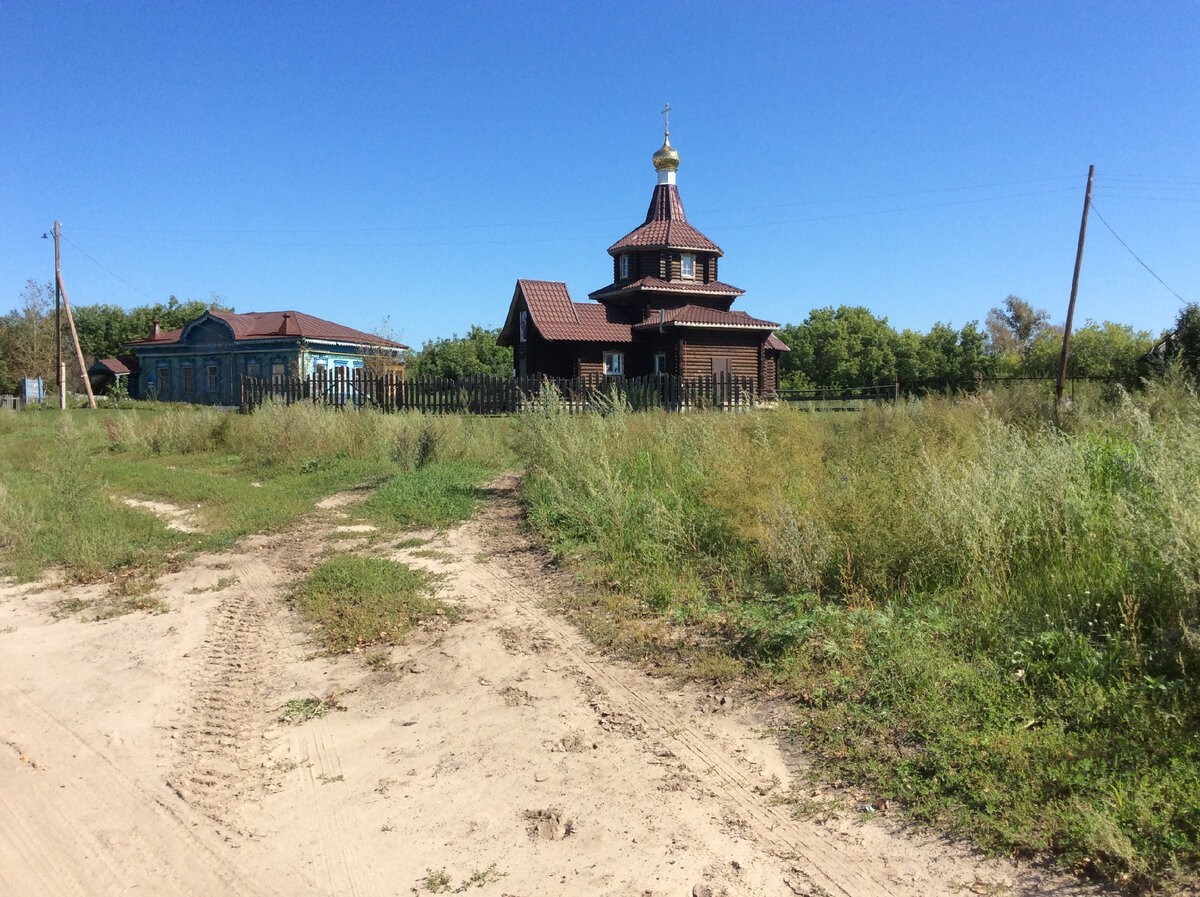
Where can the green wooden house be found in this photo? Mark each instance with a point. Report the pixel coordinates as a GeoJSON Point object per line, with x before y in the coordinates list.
{"type": "Point", "coordinates": [203, 361]}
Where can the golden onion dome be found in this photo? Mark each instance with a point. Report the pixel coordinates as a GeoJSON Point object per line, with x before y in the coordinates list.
{"type": "Point", "coordinates": [667, 157]}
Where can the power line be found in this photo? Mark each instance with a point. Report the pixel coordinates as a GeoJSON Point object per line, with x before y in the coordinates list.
{"type": "Point", "coordinates": [466, 225]}
{"type": "Point", "coordinates": [109, 270]}
{"type": "Point", "coordinates": [1135, 255]}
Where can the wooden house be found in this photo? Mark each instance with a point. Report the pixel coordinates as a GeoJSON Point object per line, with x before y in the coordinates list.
{"type": "Point", "coordinates": [665, 312]}
{"type": "Point", "coordinates": [203, 361]}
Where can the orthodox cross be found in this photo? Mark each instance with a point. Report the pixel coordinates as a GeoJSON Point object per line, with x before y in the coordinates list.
{"type": "Point", "coordinates": [666, 118]}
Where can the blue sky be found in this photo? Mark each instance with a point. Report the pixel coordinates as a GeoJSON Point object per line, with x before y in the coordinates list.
{"type": "Point", "coordinates": [363, 161]}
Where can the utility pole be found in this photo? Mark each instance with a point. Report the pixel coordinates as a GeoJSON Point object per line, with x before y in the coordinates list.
{"type": "Point", "coordinates": [60, 290]}
{"type": "Point", "coordinates": [58, 367]}
{"type": "Point", "coordinates": [1066, 348]}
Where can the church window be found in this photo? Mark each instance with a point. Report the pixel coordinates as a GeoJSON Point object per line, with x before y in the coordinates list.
{"type": "Point", "coordinates": [524, 318]}
{"type": "Point", "coordinates": [687, 267]}
{"type": "Point", "coordinates": [624, 266]}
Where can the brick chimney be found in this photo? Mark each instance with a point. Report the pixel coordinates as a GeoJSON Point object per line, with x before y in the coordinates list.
{"type": "Point", "coordinates": [156, 331]}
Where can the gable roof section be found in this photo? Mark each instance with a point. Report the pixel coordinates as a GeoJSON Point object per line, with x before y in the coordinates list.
{"type": "Point", "coordinates": [255, 325]}
{"type": "Point", "coordinates": [125, 364]}
{"type": "Point", "coordinates": [556, 317]}
{"type": "Point", "coordinates": [666, 227]}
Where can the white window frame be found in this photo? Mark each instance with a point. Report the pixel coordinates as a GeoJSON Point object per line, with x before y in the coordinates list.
{"type": "Point", "coordinates": [660, 362]}
{"type": "Point", "coordinates": [614, 364]}
{"type": "Point", "coordinates": [687, 266]}
{"type": "Point", "coordinates": [623, 266]}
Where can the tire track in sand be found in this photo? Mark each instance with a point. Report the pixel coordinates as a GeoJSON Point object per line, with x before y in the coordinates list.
{"type": "Point", "coordinates": [813, 859]}
{"type": "Point", "coordinates": [224, 721]}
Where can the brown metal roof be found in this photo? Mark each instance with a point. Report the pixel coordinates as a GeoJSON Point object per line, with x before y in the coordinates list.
{"type": "Point", "coordinates": [654, 284]}
{"type": "Point", "coordinates": [666, 227]}
{"type": "Point", "coordinates": [256, 325]}
{"type": "Point", "coordinates": [702, 316]}
{"type": "Point", "coordinates": [774, 342]}
{"type": "Point", "coordinates": [558, 318]}
{"type": "Point", "coordinates": [124, 365]}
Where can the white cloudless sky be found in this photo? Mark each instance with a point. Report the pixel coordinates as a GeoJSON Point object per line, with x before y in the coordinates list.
{"type": "Point", "coordinates": [409, 161]}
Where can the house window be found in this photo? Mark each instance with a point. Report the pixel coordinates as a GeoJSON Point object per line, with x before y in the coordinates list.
{"type": "Point", "coordinates": [623, 265]}
{"type": "Point", "coordinates": [211, 371]}
{"type": "Point", "coordinates": [660, 362]}
{"type": "Point", "coordinates": [189, 380]}
{"type": "Point", "coordinates": [687, 267]}
{"type": "Point", "coordinates": [164, 381]}
{"type": "Point", "coordinates": [252, 369]}
{"type": "Point", "coordinates": [614, 364]}
{"type": "Point", "coordinates": [524, 316]}
{"type": "Point", "coordinates": [321, 367]}
{"type": "Point", "coordinates": [278, 371]}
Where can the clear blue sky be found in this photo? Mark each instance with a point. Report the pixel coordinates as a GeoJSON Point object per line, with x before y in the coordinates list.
{"type": "Point", "coordinates": [411, 160]}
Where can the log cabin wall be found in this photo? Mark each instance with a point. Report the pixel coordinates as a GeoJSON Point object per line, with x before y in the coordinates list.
{"type": "Point", "coordinates": [770, 375]}
{"type": "Point", "coordinates": [702, 346]}
{"type": "Point", "coordinates": [589, 359]}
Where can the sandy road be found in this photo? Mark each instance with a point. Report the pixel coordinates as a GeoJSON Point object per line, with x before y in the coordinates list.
{"type": "Point", "coordinates": [500, 755]}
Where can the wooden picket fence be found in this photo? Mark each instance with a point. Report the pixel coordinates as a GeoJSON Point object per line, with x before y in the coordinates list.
{"type": "Point", "coordinates": [486, 394]}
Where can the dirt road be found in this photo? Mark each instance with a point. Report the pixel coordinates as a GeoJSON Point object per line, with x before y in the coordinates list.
{"type": "Point", "coordinates": [500, 755]}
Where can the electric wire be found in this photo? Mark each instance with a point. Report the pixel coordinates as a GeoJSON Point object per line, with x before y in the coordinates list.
{"type": "Point", "coordinates": [103, 267]}
{"type": "Point", "coordinates": [1134, 254]}
{"type": "Point", "coordinates": [579, 221]}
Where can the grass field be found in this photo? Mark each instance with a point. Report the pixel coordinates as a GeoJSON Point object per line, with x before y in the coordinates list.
{"type": "Point", "coordinates": [62, 479]}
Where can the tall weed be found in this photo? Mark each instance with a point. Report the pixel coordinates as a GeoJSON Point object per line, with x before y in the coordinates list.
{"type": "Point", "coordinates": [989, 617]}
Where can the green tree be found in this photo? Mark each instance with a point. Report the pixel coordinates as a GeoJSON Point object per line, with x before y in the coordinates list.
{"type": "Point", "coordinates": [456, 357]}
{"type": "Point", "coordinates": [846, 346]}
{"type": "Point", "coordinates": [1185, 341]}
{"type": "Point", "coordinates": [1108, 350]}
{"type": "Point", "coordinates": [1015, 327]}
{"type": "Point", "coordinates": [27, 346]}
{"type": "Point", "coordinates": [104, 329]}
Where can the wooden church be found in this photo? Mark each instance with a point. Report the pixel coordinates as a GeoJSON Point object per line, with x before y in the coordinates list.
{"type": "Point", "coordinates": [666, 311]}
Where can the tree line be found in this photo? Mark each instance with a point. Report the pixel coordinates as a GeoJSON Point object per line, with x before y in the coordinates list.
{"type": "Point", "coordinates": [850, 346]}
{"type": "Point", "coordinates": [832, 347]}
{"type": "Point", "coordinates": [27, 333]}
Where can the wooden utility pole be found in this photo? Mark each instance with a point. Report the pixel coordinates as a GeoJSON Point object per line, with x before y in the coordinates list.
{"type": "Point", "coordinates": [1066, 348]}
{"type": "Point", "coordinates": [58, 362]}
{"type": "Point", "coordinates": [59, 289]}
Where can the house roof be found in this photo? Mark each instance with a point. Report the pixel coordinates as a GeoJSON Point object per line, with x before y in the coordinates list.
{"type": "Point", "coordinates": [774, 342]}
{"type": "Point", "coordinates": [665, 227]}
{"type": "Point", "coordinates": [656, 284]}
{"type": "Point", "coordinates": [558, 318]}
{"type": "Point", "coordinates": [126, 364]}
{"type": "Point", "coordinates": [702, 316]}
{"type": "Point", "coordinates": [275, 324]}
